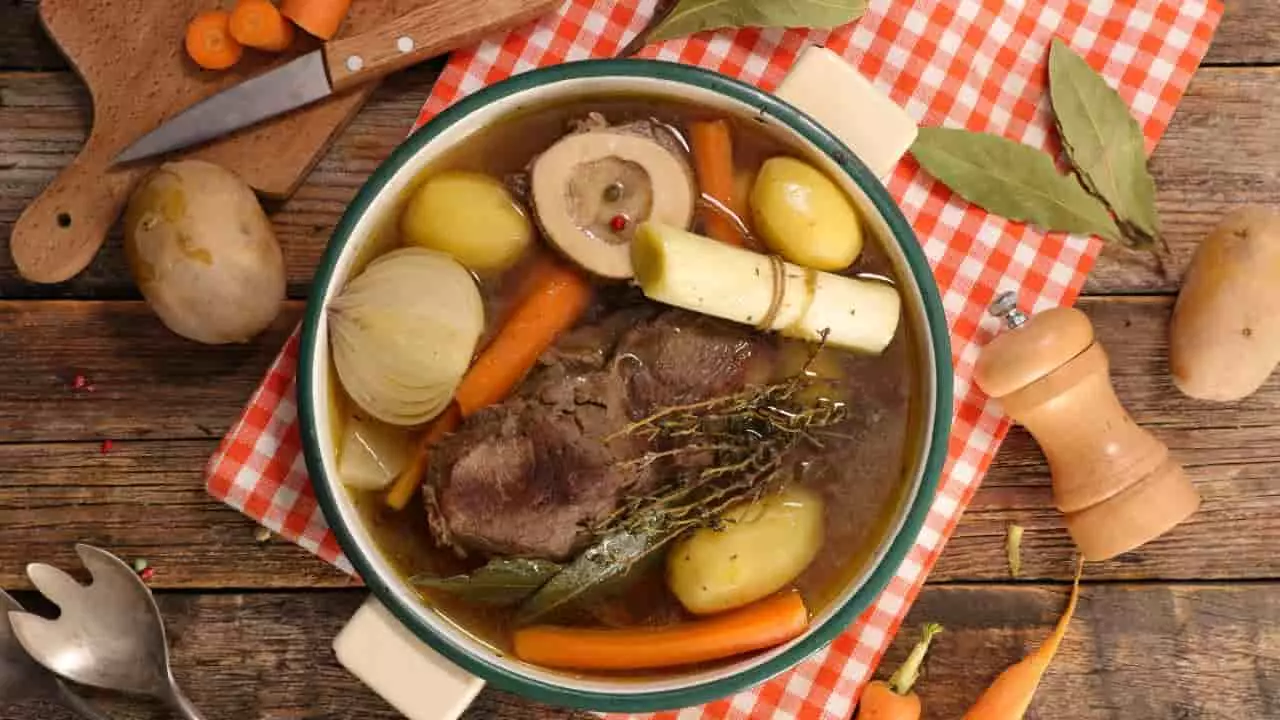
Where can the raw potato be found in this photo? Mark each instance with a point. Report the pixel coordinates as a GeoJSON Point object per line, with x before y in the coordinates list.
{"type": "Point", "coordinates": [469, 216]}
{"type": "Point", "coordinates": [203, 253]}
{"type": "Point", "coordinates": [804, 217]}
{"type": "Point", "coordinates": [1225, 335]}
{"type": "Point", "coordinates": [761, 548]}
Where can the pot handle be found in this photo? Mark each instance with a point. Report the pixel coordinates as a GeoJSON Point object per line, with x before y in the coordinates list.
{"type": "Point", "coordinates": [828, 89]}
{"type": "Point", "coordinates": [419, 682]}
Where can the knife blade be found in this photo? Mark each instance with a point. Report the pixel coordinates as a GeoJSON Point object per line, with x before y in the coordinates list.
{"type": "Point", "coordinates": [293, 85]}
{"type": "Point", "coordinates": [433, 28]}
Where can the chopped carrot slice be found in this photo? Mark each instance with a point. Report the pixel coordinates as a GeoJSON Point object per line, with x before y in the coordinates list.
{"type": "Point", "coordinates": [209, 41]}
{"type": "Point", "coordinates": [258, 24]}
{"type": "Point", "coordinates": [321, 18]}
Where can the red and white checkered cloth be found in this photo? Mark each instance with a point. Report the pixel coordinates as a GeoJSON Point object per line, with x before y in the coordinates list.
{"type": "Point", "coordinates": [978, 64]}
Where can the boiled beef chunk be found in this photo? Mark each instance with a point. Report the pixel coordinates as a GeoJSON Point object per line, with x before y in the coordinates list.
{"type": "Point", "coordinates": [528, 476]}
{"type": "Point", "coordinates": [681, 358]}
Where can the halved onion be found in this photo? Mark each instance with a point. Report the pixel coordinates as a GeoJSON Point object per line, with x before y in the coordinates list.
{"type": "Point", "coordinates": [403, 332]}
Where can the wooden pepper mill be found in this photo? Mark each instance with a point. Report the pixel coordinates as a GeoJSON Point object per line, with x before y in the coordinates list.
{"type": "Point", "coordinates": [1113, 480]}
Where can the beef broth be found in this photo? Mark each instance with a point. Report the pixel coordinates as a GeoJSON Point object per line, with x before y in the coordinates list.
{"type": "Point", "coordinates": [527, 476]}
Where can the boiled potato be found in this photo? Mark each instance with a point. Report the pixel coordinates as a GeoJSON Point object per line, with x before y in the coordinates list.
{"type": "Point", "coordinates": [1225, 335]}
{"type": "Point", "coordinates": [469, 216]}
{"type": "Point", "coordinates": [804, 217]}
{"type": "Point", "coordinates": [203, 254]}
{"type": "Point", "coordinates": [762, 547]}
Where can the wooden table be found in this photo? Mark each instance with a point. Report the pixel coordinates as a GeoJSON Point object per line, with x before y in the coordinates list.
{"type": "Point", "coordinates": [1188, 627]}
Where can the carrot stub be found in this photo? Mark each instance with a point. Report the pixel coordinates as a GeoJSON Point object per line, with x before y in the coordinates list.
{"type": "Point", "coordinates": [763, 624]}
{"type": "Point", "coordinates": [209, 41]}
{"type": "Point", "coordinates": [712, 144]}
{"type": "Point", "coordinates": [321, 18]}
{"type": "Point", "coordinates": [553, 297]}
{"type": "Point", "coordinates": [1010, 695]}
{"type": "Point", "coordinates": [258, 24]}
{"type": "Point", "coordinates": [894, 700]}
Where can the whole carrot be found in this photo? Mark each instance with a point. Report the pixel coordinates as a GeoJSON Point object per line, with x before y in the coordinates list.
{"type": "Point", "coordinates": [557, 296]}
{"type": "Point", "coordinates": [760, 625]}
{"type": "Point", "coordinates": [894, 700]}
{"type": "Point", "coordinates": [712, 144]}
{"type": "Point", "coordinates": [1010, 695]}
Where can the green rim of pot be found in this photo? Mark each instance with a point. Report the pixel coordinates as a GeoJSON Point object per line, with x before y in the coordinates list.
{"type": "Point", "coordinates": [765, 104]}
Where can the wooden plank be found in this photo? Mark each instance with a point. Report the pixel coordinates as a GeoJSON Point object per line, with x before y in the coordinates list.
{"type": "Point", "coordinates": [1249, 34]}
{"type": "Point", "coordinates": [43, 120]}
{"type": "Point", "coordinates": [1215, 156]}
{"type": "Point", "coordinates": [1229, 450]}
{"type": "Point", "coordinates": [146, 498]}
{"type": "Point", "coordinates": [267, 655]}
{"type": "Point", "coordinates": [140, 499]}
{"type": "Point", "coordinates": [152, 384]}
{"type": "Point", "coordinates": [148, 382]}
{"type": "Point", "coordinates": [1133, 651]}
{"type": "Point", "coordinates": [1230, 537]}
{"type": "Point", "coordinates": [23, 42]}
{"type": "Point", "coordinates": [1218, 153]}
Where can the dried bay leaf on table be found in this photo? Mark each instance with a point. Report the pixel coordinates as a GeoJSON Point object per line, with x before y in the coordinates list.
{"type": "Point", "coordinates": [1012, 180]}
{"type": "Point", "coordinates": [1104, 143]}
{"type": "Point", "coordinates": [693, 16]}
{"type": "Point", "coordinates": [502, 581]}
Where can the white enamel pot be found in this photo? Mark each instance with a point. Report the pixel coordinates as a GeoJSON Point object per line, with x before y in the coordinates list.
{"type": "Point", "coordinates": [418, 659]}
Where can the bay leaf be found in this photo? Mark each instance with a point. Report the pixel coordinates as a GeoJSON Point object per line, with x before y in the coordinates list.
{"type": "Point", "coordinates": [500, 582]}
{"type": "Point", "coordinates": [692, 16]}
{"type": "Point", "coordinates": [1104, 143]}
{"type": "Point", "coordinates": [612, 557]}
{"type": "Point", "coordinates": [1012, 180]}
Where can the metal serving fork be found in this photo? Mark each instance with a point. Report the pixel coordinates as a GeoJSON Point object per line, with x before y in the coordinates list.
{"type": "Point", "coordinates": [22, 678]}
{"type": "Point", "coordinates": [110, 634]}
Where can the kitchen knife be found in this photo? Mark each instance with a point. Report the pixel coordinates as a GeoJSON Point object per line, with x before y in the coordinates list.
{"type": "Point", "coordinates": [433, 28]}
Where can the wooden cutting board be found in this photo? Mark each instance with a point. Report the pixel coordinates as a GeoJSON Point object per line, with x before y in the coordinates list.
{"type": "Point", "coordinates": [130, 54]}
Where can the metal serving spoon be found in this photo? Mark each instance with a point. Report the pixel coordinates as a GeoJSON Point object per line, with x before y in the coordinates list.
{"type": "Point", "coordinates": [110, 634]}
{"type": "Point", "coordinates": [22, 678]}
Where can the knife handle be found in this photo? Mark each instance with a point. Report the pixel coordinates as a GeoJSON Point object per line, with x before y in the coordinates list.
{"type": "Point", "coordinates": [435, 27]}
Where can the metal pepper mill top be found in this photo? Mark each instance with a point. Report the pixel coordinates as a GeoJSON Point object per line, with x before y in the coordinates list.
{"type": "Point", "coordinates": [1114, 481]}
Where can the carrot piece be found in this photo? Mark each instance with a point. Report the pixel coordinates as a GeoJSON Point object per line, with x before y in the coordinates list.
{"type": "Point", "coordinates": [712, 145]}
{"type": "Point", "coordinates": [763, 624]}
{"type": "Point", "coordinates": [557, 297]}
{"type": "Point", "coordinates": [553, 296]}
{"type": "Point", "coordinates": [209, 41]}
{"type": "Point", "coordinates": [894, 700]}
{"type": "Point", "coordinates": [321, 18]}
{"type": "Point", "coordinates": [258, 24]}
{"type": "Point", "coordinates": [407, 481]}
{"type": "Point", "coordinates": [1010, 695]}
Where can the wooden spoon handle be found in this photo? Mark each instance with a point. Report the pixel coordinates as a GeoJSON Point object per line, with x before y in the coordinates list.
{"type": "Point", "coordinates": [59, 233]}
{"type": "Point", "coordinates": [435, 27]}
